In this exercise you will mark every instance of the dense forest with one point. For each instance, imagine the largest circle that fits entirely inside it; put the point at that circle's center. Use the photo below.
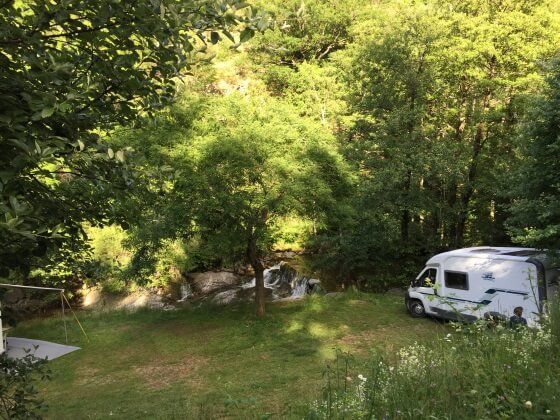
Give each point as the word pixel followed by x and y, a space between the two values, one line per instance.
pixel 369 134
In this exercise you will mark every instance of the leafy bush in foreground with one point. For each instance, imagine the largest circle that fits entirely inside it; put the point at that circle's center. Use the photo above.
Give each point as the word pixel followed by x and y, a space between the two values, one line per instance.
pixel 478 371
pixel 18 395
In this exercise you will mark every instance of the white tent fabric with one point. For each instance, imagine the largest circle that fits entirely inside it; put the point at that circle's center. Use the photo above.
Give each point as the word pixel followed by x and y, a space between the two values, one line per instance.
pixel 19 347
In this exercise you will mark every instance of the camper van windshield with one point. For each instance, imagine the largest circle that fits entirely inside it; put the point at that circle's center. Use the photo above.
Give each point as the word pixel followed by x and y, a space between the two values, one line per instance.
pixel 426 279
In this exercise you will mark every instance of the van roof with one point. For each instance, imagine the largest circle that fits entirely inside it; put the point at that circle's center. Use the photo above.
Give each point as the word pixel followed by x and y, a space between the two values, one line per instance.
pixel 491 252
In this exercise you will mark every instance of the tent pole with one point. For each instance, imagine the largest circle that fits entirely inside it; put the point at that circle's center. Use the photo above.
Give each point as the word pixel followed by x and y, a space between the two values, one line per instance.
pixel 63 317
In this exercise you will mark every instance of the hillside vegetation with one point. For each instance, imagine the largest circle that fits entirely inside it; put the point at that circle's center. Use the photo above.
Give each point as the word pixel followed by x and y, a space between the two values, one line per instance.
pixel 369 134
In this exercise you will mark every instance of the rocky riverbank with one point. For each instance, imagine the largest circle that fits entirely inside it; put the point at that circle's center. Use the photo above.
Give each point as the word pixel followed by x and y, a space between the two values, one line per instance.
pixel 282 282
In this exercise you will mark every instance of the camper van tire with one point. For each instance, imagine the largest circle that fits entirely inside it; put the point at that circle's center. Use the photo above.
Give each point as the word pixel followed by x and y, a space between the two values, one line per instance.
pixel 416 309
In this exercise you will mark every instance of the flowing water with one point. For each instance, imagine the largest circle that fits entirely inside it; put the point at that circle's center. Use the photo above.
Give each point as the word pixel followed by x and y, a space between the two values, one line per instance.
pixel 282 280
pixel 186 292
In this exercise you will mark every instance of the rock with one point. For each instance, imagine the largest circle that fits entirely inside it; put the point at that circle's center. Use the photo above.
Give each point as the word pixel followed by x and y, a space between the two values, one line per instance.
pixel 226 297
pixel 248 294
pixel 313 282
pixel 211 281
pixel 316 289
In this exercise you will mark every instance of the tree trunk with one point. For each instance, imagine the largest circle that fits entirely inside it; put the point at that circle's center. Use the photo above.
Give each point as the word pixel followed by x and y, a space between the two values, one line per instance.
pixel 258 267
pixel 452 220
pixel 259 288
pixel 405 216
pixel 479 140
pixel 411 124
pixel 453 189
pixel 469 189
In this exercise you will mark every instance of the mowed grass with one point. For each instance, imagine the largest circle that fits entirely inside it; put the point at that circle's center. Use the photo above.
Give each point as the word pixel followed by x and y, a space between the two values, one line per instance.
pixel 217 361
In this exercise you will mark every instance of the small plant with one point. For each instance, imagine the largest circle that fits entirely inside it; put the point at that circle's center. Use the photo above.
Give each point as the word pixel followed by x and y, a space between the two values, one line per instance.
pixel 18 395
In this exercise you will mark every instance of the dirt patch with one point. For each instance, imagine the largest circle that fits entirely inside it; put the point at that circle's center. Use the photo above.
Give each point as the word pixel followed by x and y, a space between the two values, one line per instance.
pixel 90 376
pixel 365 340
pixel 362 342
pixel 157 375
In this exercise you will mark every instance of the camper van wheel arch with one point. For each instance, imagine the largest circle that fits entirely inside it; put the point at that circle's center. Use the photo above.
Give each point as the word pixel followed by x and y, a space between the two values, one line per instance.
pixel 416 309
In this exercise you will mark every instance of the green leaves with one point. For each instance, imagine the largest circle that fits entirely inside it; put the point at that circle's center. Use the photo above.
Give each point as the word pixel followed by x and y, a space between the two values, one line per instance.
pixel 47 112
pixel 214 37
pixel 246 35
pixel 18 379
pixel 535 215
pixel 74 73
pixel 241 168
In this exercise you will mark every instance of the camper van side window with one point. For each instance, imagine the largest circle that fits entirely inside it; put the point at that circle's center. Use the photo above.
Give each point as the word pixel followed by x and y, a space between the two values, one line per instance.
pixel 456 280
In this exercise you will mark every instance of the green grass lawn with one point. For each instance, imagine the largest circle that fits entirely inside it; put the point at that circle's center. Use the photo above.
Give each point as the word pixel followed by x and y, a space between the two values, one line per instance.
pixel 217 361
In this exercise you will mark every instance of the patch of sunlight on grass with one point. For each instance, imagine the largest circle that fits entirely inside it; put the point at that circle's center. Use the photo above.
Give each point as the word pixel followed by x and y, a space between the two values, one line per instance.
pixel 320 330
pixel 327 351
pixel 294 326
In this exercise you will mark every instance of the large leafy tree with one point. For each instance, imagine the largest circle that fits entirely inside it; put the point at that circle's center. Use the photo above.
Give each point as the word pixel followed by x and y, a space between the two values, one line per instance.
pixel 70 71
pixel 535 219
pixel 233 173
pixel 265 163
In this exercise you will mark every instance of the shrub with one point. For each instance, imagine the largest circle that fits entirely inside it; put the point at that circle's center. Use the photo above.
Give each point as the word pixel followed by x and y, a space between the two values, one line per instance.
pixel 18 395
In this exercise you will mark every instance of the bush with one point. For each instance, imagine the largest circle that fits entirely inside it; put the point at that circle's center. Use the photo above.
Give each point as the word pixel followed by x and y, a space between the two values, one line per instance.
pixel 18 396
pixel 476 371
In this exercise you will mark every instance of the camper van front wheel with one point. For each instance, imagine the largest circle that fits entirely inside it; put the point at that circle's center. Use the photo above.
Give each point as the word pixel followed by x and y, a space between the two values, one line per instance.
pixel 416 309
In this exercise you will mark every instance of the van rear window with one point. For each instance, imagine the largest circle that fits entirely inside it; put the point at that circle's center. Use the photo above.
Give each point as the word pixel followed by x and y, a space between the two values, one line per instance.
pixel 456 280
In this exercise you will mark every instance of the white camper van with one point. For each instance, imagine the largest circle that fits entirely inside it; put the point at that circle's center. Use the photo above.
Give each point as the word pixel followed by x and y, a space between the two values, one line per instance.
pixel 472 283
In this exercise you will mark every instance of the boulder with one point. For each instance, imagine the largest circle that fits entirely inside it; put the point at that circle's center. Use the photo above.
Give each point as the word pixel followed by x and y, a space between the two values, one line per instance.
pixel 248 294
pixel 226 297
pixel 212 281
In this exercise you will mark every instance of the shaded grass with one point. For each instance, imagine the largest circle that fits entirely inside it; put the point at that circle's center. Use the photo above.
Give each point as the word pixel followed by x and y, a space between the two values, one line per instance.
pixel 217 361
